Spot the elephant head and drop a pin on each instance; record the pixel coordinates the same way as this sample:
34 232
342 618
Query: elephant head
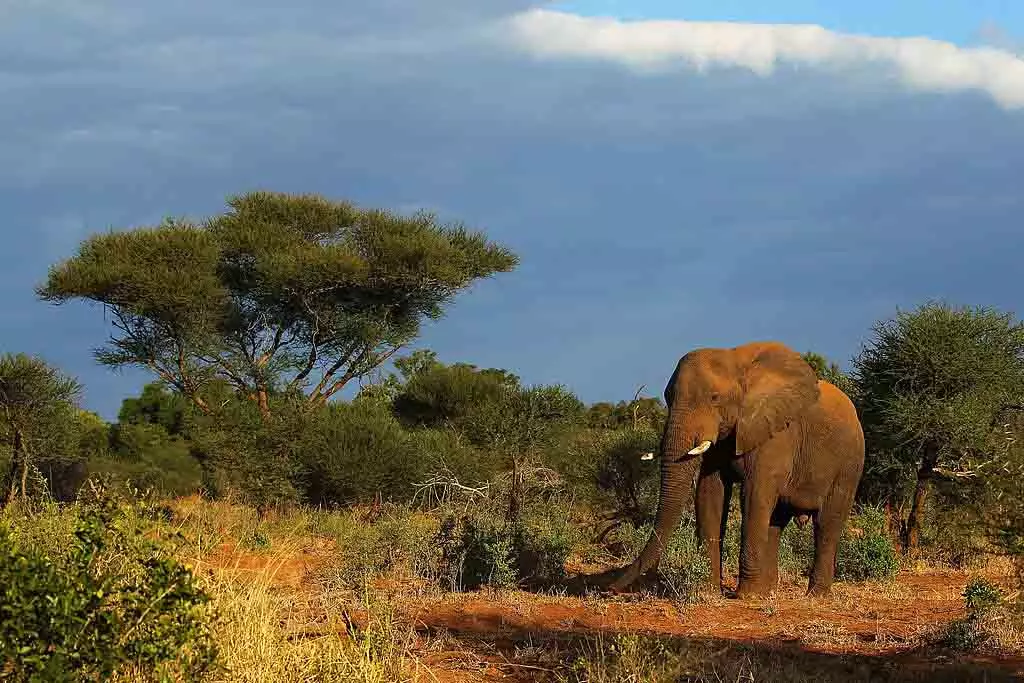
742 395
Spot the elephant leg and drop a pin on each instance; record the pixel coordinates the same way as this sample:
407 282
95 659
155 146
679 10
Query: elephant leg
828 528
712 507
758 503
781 517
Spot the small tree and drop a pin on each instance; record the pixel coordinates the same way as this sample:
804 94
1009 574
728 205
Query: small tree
830 372
37 416
281 294
934 386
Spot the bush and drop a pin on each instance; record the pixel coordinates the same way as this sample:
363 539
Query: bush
868 553
481 548
981 598
245 457
398 539
355 452
147 457
101 608
685 566
604 468
981 595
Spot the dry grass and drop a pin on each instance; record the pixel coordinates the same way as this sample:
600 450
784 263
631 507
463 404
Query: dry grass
304 597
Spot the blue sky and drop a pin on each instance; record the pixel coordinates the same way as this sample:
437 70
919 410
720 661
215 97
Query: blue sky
668 185
958 21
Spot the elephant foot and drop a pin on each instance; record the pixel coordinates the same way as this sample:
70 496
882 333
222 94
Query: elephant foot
818 590
753 590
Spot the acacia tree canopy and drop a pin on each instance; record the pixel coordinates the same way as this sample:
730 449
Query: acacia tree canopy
934 387
280 294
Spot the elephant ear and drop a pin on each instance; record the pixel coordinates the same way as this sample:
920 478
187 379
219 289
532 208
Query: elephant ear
778 386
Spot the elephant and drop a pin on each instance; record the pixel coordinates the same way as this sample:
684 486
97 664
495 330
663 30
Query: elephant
755 415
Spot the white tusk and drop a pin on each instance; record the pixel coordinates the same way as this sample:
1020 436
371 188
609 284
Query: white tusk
647 456
702 448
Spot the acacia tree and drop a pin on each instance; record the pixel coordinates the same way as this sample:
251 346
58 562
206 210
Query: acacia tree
934 386
37 416
282 294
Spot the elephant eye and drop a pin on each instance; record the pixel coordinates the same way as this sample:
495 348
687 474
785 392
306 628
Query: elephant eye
715 398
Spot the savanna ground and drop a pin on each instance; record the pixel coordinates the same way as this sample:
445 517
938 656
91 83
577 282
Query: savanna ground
360 595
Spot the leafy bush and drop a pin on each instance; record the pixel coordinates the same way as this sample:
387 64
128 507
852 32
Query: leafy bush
981 595
147 457
101 608
796 549
244 457
481 548
355 452
685 567
397 539
603 467
868 553
981 598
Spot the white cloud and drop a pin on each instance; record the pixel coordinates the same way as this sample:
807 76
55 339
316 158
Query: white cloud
922 64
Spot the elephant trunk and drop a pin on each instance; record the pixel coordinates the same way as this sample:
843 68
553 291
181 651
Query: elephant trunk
677 470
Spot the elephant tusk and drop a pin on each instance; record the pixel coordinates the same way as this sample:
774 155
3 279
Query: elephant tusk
701 449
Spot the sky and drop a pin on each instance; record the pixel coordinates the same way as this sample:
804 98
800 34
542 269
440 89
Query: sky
674 175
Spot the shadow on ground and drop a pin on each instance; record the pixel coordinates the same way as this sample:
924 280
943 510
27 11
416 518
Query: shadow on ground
551 653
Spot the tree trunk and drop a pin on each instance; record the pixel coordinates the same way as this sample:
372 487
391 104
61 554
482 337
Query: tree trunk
18 463
263 401
912 535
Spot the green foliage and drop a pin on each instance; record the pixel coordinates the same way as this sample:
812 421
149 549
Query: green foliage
935 382
281 293
633 483
38 419
395 539
939 391
102 607
145 456
869 552
477 550
647 413
685 566
480 548
246 457
155 405
353 452
449 395
982 598
981 595
830 372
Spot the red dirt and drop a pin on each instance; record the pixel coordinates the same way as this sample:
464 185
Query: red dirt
856 620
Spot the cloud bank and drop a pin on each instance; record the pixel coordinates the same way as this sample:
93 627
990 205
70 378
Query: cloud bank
921 64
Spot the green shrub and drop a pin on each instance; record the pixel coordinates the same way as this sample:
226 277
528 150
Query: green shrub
100 608
685 567
869 554
355 452
477 550
603 468
796 549
397 539
481 548
145 456
245 457
981 595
